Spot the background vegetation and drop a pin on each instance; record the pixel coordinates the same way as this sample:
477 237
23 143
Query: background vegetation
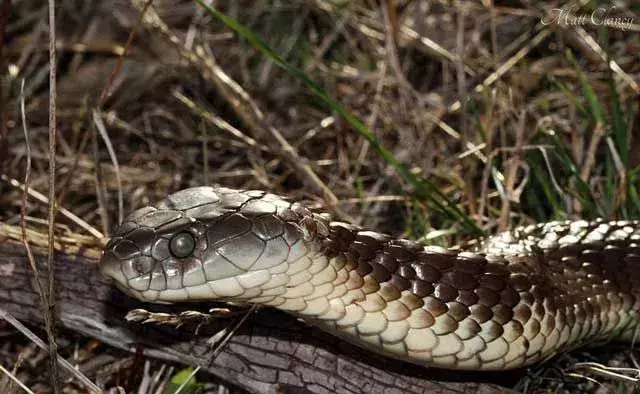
437 121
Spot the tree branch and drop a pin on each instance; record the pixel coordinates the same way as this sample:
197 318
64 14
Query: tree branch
272 352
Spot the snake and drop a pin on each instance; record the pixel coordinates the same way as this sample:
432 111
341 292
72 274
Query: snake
520 297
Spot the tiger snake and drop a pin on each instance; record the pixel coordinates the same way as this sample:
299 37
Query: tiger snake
521 297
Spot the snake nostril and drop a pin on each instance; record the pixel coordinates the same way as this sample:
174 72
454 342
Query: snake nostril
138 266
144 265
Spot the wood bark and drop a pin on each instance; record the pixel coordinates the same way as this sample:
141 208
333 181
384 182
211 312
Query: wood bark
272 352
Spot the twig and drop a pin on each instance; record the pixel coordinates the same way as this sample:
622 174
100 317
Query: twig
463 93
63 211
49 312
23 204
97 119
590 159
215 120
220 345
506 66
15 379
205 154
5 11
40 343
104 95
132 34
512 193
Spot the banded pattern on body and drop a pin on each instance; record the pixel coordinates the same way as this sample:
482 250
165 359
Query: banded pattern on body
522 297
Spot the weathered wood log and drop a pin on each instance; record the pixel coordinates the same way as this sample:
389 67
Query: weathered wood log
271 352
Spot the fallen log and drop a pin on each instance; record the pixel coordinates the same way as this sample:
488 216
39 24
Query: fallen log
271 352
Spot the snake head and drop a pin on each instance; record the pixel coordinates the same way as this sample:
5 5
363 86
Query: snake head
208 243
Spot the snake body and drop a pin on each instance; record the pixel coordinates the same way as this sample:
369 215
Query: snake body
524 296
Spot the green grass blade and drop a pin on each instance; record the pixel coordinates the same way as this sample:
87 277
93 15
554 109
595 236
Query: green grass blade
423 187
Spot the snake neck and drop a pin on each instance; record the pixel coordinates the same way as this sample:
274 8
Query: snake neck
467 310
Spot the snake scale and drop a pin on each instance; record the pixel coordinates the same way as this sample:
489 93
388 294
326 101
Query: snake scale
522 297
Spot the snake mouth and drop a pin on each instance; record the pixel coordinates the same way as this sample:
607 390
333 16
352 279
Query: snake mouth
109 267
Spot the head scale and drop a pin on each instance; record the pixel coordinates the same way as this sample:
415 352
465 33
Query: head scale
208 243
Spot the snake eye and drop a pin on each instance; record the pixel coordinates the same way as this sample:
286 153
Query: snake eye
182 245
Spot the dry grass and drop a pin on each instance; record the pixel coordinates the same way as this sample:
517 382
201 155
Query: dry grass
513 120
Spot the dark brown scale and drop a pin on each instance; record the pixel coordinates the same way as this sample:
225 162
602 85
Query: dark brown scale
435 307
426 272
632 259
520 282
480 313
407 272
330 248
522 313
388 261
445 292
380 273
591 269
458 311
364 268
492 282
399 282
509 297
440 262
460 280
364 250
341 235
470 266
467 297
539 291
502 314
421 288
570 262
588 308
399 252
497 269
487 297
591 258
